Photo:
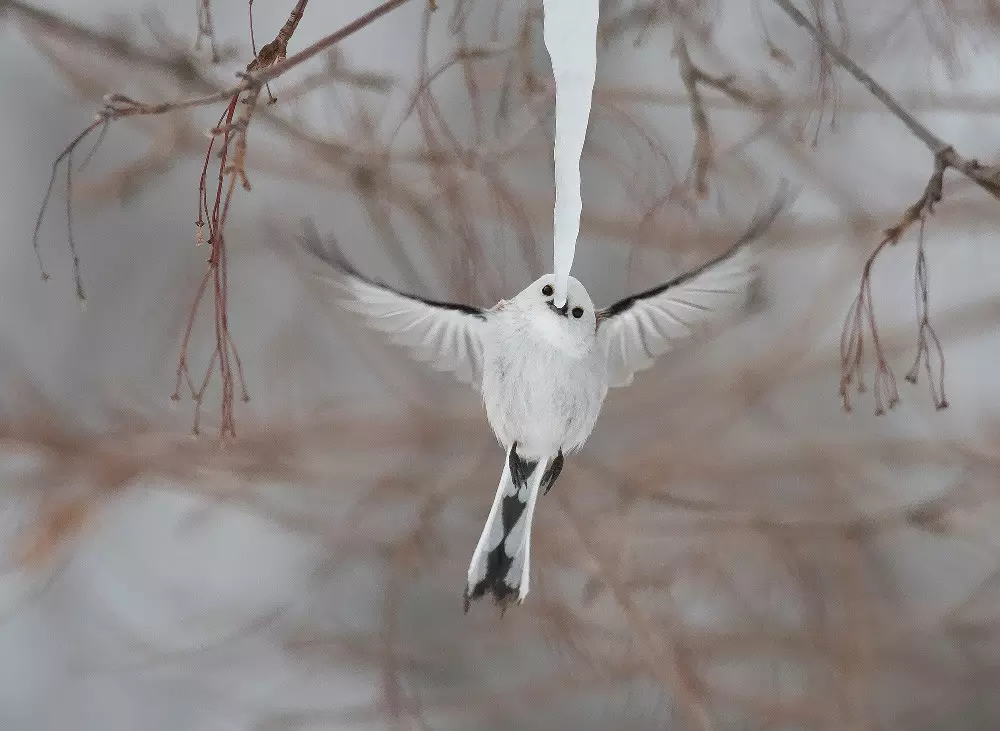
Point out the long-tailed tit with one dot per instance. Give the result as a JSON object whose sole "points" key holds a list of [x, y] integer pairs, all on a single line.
{"points": [[544, 371]]}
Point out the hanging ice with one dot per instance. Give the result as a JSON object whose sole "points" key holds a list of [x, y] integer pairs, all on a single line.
{"points": [[570, 31]]}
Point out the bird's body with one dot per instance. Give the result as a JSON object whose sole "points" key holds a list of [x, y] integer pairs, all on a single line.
{"points": [[544, 379], [543, 384], [544, 371]]}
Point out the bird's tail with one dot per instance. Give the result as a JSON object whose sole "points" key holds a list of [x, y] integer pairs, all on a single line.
{"points": [[501, 562]]}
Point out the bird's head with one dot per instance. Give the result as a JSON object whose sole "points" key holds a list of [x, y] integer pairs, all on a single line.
{"points": [[577, 318]]}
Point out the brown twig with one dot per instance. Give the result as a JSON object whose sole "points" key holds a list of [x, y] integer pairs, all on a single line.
{"points": [[860, 315], [986, 177], [67, 155], [277, 50]]}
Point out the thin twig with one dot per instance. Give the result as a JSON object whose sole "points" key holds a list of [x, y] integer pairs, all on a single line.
{"points": [[66, 155], [118, 106], [275, 51], [693, 76]]}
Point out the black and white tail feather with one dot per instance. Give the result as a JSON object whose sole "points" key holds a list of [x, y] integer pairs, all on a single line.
{"points": [[500, 564], [567, 355]]}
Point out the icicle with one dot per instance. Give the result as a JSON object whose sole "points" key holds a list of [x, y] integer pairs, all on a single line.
{"points": [[570, 31]]}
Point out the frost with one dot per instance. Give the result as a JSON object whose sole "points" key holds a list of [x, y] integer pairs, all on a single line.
{"points": [[570, 31]]}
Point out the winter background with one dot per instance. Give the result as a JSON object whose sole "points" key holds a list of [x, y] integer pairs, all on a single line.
{"points": [[730, 550]]}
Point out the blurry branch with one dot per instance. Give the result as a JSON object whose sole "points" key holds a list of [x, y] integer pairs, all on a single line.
{"points": [[692, 76], [701, 156], [114, 45], [671, 665], [206, 28], [861, 315]]}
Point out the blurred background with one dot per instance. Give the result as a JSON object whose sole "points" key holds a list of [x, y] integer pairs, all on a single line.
{"points": [[731, 549]]}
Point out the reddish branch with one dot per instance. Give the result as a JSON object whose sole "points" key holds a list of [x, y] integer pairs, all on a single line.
{"points": [[861, 316], [225, 358], [224, 354]]}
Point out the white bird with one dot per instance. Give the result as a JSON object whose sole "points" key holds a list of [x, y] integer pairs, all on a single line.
{"points": [[544, 371]]}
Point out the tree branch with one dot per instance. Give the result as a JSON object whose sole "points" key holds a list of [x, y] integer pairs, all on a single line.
{"points": [[701, 155], [986, 177], [861, 315], [119, 105], [206, 28], [693, 76], [270, 63]]}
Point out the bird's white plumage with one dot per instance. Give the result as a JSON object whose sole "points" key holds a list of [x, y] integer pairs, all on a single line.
{"points": [[544, 378], [650, 325]]}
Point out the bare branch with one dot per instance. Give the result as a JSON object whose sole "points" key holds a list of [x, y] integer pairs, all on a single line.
{"points": [[668, 662], [117, 106], [67, 156], [692, 75], [120, 105]]}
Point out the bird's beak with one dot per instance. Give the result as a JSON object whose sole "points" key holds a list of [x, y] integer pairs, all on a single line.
{"points": [[564, 310]]}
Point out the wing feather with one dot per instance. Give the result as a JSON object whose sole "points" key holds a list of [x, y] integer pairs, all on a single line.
{"points": [[447, 336], [637, 329]]}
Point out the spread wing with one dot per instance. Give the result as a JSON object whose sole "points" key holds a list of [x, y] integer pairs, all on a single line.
{"points": [[445, 335], [639, 328]]}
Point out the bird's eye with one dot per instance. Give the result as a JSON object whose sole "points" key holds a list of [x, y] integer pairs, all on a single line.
{"points": [[547, 290], [577, 312]]}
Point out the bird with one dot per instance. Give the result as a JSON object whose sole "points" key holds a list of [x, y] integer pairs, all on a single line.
{"points": [[544, 370]]}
